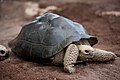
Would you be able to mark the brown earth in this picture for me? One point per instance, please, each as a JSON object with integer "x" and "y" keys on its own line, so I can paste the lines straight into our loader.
{"x": 106, "y": 28}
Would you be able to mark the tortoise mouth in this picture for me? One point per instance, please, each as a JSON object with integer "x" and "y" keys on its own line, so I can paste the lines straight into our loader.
{"x": 4, "y": 57}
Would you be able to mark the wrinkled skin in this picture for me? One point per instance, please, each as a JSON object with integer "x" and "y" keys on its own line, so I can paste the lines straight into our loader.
{"x": 85, "y": 52}
{"x": 4, "y": 53}
{"x": 88, "y": 53}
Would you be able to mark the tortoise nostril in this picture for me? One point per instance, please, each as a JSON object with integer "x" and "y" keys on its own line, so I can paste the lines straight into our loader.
{"x": 2, "y": 51}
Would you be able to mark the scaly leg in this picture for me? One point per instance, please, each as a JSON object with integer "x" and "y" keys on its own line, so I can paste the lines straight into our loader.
{"x": 70, "y": 58}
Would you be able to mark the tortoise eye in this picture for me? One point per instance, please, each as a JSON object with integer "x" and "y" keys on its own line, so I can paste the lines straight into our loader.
{"x": 2, "y": 51}
{"x": 87, "y": 51}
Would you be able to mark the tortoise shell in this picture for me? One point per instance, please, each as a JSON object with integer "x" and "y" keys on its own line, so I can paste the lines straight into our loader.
{"x": 47, "y": 35}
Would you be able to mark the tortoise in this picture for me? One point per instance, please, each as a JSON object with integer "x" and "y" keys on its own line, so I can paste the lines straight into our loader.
{"x": 4, "y": 53}
{"x": 54, "y": 39}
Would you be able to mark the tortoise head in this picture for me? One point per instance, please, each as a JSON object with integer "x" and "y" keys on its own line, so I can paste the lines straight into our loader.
{"x": 85, "y": 52}
{"x": 4, "y": 53}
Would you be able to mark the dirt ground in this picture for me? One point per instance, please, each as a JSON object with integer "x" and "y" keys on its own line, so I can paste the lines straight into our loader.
{"x": 106, "y": 28}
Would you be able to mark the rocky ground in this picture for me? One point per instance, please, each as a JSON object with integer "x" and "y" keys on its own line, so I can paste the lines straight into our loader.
{"x": 88, "y": 13}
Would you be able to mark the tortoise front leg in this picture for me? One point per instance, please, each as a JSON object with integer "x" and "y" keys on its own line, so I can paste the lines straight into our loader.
{"x": 70, "y": 58}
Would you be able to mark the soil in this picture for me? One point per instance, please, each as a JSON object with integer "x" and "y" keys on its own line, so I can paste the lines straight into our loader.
{"x": 106, "y": 28}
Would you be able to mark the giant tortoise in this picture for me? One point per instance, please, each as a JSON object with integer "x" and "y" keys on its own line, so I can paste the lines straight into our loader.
{"x": 54, "y": 39}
